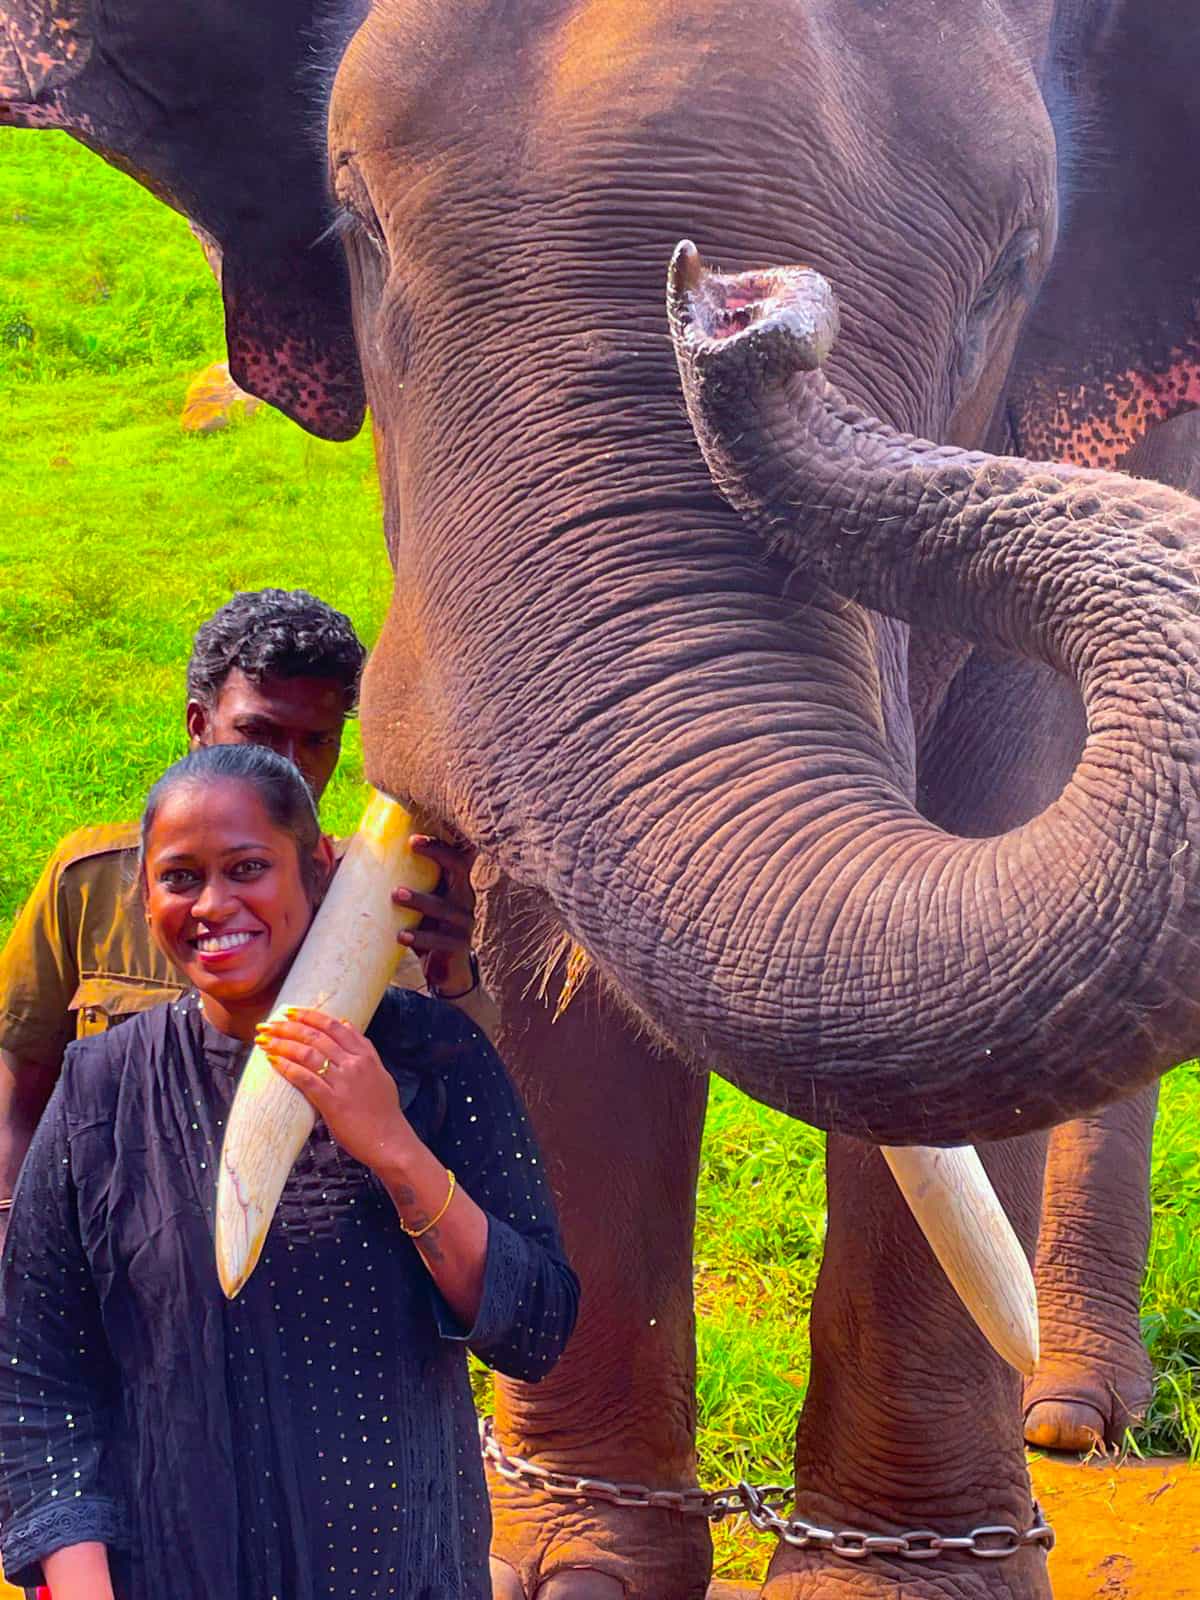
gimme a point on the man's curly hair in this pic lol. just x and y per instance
(280, 633)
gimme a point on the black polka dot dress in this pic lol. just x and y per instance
(315, 1438)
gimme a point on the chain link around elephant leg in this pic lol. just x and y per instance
(763, 1506)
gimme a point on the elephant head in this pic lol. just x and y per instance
(698, 747)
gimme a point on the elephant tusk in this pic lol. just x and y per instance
(344, 966)
(951, 1196)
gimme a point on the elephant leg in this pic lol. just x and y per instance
(910, 1421)
(620, 1127)
(1094, 1378)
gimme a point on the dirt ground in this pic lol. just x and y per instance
(1124, 1533)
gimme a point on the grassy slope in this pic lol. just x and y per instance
(120, 533)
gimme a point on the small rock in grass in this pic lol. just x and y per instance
(213, 400)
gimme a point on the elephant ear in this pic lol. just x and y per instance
(213, 105)
(1112, 347)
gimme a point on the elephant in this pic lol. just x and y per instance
(815, 745)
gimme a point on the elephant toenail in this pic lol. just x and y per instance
(1071, 1425)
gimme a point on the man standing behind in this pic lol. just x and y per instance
(273, 667)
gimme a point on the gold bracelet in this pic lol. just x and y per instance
(415, 1233)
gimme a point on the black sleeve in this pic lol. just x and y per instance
(530, 1295)
(57, 1377)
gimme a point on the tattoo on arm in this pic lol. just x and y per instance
(405, 1195)
(429, 1246)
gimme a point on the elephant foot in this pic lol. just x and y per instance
(548, 1549)
(1078, 1405)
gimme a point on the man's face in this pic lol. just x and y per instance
(300, 718)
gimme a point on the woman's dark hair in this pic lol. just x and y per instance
(280, 633)
(285, 797)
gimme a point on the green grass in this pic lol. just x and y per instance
(1171, 1295)
(120, 533)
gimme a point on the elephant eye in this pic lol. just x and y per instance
(348, 223)
(1009, 273)
(1007, 281)
(355, 217)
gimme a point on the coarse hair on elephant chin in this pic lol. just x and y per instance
(560, 972)
(555, 968)
(575, 964)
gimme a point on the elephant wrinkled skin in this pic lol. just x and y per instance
(825, 812)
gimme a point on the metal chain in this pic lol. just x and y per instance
(762, 1505)
(714, 1504)
(994, 1541)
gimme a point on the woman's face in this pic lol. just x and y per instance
(225, 897)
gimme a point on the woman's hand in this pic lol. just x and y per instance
(442, 943)
(338, 1071)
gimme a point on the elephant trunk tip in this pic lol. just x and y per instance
(776, 320)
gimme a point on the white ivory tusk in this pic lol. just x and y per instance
(344, 966)
(958, 1211)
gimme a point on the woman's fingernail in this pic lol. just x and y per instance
(402, 894)
(291, 1011)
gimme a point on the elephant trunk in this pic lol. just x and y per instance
(971, 987)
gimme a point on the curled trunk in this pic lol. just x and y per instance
(966, 987)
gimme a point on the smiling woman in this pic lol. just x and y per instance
(228, 893)
(159, 1439)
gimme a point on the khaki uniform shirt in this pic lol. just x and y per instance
(80, 958)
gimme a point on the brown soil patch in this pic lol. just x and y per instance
(1124, 1533)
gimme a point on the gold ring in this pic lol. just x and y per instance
(324, 1068)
